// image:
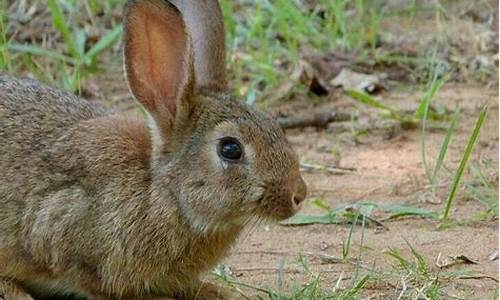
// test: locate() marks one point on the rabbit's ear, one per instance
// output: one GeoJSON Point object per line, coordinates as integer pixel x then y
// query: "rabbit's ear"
{"type": "Point", "coordinates": [205, 24]}
{"type": "Point", "coordinates": [157, 57]}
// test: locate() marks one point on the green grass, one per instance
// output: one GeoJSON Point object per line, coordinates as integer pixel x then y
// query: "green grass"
{"type": "Point", "coordinates": [423, 113]}
{"type": "Point", "coordinates": [463, 163]}
{"type": "Point", "coordinates": [267, 40]}
{"type": "Point", "coordinates": [483, 188]}
{"type": "Point", "coordinates": [415, 276]}
{"type": "Point", "coordinates": [407, 120]}
{"type": "Point", "coordinates": [5, 57]}
{"type": "Point", "coordinates": [72, 63]}
{"type": "Point", "coordinates": [442, 151]}
{"type": "Point", "coordinates": [311, 290]}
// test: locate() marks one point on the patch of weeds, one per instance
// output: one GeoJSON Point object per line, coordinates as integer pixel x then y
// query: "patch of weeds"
{"type": "Point", "coordinates": [482, 187]}
{"type": "Point", "coordinates": [424, 114]}
{"type": "Point", "coordinates": [77, 60]}
{"type": "Point", "coordinates": [416, 278]}
{"type": "Point", "coordinates": [266, 38]}
{"type": "Point", "coordinates": [5, 60]}
{"type": "Point", "coordinates": [407, 120]}
{"type": "Point", "coordinates": [312, 290]}
{"type": "Point", "coordinates": [355, 132]}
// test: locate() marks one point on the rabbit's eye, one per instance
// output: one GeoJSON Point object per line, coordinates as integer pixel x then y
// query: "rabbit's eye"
{"type": "Point", "coordinates": [230, 149]}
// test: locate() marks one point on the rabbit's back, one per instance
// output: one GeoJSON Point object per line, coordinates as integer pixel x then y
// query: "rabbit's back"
{"type": "Point", "coordinates": [33, 117]}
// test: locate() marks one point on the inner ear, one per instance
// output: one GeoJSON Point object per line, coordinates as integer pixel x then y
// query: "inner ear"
{"type": "Point", "coordinates": [157, 55]}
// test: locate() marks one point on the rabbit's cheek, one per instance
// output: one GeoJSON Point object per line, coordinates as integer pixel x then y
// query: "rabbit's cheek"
{"type": "Point", "coordinates": [212, 204]}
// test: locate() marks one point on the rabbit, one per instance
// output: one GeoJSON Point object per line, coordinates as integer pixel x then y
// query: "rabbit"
{"type": "Point", "coordinates": [102, 205]}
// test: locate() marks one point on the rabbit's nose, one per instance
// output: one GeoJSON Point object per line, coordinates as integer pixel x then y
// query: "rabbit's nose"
{"type": "Point", "coordinates": [300, 193]}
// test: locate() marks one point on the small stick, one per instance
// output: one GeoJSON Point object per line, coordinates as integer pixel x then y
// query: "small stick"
{"type": "Point", "coordinates": [319, 119]}
{"type": "Point", "coordinates": [329, 169]}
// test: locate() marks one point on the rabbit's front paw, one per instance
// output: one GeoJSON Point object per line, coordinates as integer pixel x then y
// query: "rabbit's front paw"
{"type": "Point", "coordinates": [209, 291]}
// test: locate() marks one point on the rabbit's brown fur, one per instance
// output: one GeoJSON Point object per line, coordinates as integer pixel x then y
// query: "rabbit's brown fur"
{"type": "Point", "coordinates": [108, 206]}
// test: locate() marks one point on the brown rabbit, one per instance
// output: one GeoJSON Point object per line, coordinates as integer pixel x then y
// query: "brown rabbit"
{"type": "Point", "coordinates": [105, 206]}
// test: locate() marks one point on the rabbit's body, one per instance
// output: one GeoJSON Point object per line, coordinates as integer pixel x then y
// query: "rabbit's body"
{"type": "Point", "coordinates": [68, 210]}
{"type": "Point", "coordinates": [109, 206]}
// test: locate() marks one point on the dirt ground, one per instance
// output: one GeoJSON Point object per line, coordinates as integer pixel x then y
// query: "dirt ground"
{"type": "Point", "coordinates": [388, 171]}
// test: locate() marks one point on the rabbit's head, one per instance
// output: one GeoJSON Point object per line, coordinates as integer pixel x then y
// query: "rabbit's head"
{"type": "Point", "coordinates": [222, 162]}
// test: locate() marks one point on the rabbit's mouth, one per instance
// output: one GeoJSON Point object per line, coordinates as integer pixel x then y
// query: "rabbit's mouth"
{"type": "Point", "coordinates": [278, 203]}
{"type": "Point", "coordinates": [283, 198]}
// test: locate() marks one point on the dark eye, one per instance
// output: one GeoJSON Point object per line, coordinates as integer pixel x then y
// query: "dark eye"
{"type": "Point", "coordinates": [230, 148]}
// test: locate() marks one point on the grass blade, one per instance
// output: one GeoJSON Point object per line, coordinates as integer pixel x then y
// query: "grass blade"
{"type": "Point", "coordinates": [444, 148]}
{"type": "Point", "coordinates": [422, 113]}
{"type": "Point", "coordinates": [37, 51]}
{"type": "Point", "coordinates": [368, 100]}
{"type": "Point", "coordinates": [463, 162]}
{"type": "Point", "coordinates": [62, 26]}
{"type": "Point", "coordinates": [398, 211]}
{"type": "Point", "coordinates": [298, 220]}
{"type": "Point", "coordinates": [482, 190]}
{"type": "Point", "coordinates": [423, 107]}
{"type": "Point", "coordinates": [5, 61]}
{"type": "Point", "coordinates": [356, 289]}
{"type": "Point", "coordinates": [346, 245]}
{"type": "Point", "coordinates": [105, 42]}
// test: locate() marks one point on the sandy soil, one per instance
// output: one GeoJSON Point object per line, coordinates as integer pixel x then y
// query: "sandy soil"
{"type": "Point", "coordinates": [388, 171]}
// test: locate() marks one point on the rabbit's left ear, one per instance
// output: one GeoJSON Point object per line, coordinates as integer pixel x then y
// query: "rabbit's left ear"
{"type": "Point", "coordinates": [158, 57]}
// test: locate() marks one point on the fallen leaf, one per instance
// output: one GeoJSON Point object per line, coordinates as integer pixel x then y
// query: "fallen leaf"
{"type": "Point", "coordinates": [350, 80]}
{"type": "Point", "coordinates": [455, 260]}
{"type": "Point", "coordinates": [303, 73]}
{"type": "Point", "coordinates": [308, 76]}
{"type": "Point", "coordinates": [329, 65]}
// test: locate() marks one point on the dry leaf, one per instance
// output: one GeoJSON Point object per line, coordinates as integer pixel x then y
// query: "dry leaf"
{"type": "Point", "coordinates": [350, 80]}
{"type": "Point", "coordinates": [454, 260]}
{"type": "Point", "coordinates": [303, 73]}
{"type": "Point", "coordinates": [308, 76]}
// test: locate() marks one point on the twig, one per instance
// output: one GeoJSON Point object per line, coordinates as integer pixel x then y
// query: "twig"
{"type": "Point", "coordinates": [378, 223]}
{"type": "Point", "coordinates": [477, 277]}
{"type": "Point", "coordinates": [264, 270]}
{"type": "Point", "coordinates": [322, 257]}
{"type": "Point", "coordinates": [319, 119]}
{"type": "Point", "coordinates": [329, 169]}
